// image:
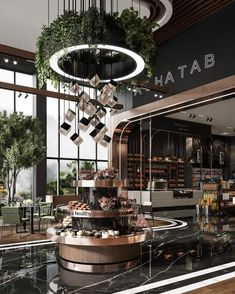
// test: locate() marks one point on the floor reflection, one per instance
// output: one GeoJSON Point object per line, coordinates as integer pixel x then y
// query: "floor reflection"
{"type": "Point", "coordinates": [202, 244]}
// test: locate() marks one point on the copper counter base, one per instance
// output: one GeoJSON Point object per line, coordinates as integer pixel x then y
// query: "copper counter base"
{"type": "Point", "coordinates": [98, 268]}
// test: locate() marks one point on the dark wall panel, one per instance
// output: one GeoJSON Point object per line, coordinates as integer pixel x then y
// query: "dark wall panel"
{"type": "Point", "coordinates": [214, 35]}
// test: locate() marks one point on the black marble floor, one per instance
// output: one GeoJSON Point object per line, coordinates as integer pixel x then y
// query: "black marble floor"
{"type": "Point", "coordinates": [203, 244]}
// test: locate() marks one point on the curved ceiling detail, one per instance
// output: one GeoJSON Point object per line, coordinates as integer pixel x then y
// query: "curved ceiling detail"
{"type": "Point", "coordinates": [160, 11]}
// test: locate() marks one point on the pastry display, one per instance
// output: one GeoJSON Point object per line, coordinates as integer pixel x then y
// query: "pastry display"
{"type": "Point", "coordinates": [79, 205]}
{"type": "Point", "coordinates": [107, 203]}
{"type": "Point", "coordinates": [67, 221]}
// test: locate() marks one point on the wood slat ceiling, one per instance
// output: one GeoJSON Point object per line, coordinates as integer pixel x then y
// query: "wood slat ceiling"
{"type": "Point", "coordinates": [185, 14]}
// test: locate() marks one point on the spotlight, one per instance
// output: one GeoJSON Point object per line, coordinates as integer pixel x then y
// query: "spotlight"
{"type": "Point", "coordinates": [26, 95]}
{"type": "Point", "coordinates": [191, 115]}
{"type": "Point", "coordinates": [65, 128]}
{"type": "Point", "coordinates": [20, 94]}
{"type": "Point", "coordinates": [160, 96]}
{"type": "Point", "coordinates": [70, 115]}
{"type": "Point", "coordinates": [77, 140]}
{"type": "Point", "coordinates": [15, 62]}
{"type": "Point", "coordinates": [6, 59]}
{"type": "Point", "coordinates": [156, 95]}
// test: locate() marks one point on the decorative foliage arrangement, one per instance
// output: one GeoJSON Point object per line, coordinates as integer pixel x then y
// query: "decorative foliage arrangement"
{"type": "Point", "coordinates": [90, 27]}
{"type": "Point", "coordinates": [21, 146]}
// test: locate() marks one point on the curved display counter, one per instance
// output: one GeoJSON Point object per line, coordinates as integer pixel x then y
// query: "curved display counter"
{"type": "Point", "coordinates": [99, 240]}
{"type": "Point", "coordinates": [90, 254]}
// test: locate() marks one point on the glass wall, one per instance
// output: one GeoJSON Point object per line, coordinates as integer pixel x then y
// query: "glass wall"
{"type": "Point", "coordinates": [64, 158]}
{"type": "Point", "coordinates": [20, 102]}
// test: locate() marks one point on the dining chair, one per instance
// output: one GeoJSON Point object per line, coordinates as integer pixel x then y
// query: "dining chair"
{"type": "Point", "coordinates": [13, 216]}
{"type": "Point", "coordinates": [53, 216]}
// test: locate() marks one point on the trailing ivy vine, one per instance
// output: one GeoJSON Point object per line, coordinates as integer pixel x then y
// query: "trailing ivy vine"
{"type": "Point", "coordinates": [90, 27]}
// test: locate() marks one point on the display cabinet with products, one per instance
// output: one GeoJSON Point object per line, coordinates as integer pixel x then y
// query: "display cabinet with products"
{"type": "Point", "coordinates": [210, 196]}
{"type": "Point", "coordinates": [166, 169]}
{"type": "Point", "coordinates": [99, 235]}
{"type": "Point", "coordinates": [202, 175]}
{"type": "Point", "coordinates": [136, 164]}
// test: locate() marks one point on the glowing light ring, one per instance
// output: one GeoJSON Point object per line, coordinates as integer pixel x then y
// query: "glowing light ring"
{"type": "Point", "coordinates": [137, 58]}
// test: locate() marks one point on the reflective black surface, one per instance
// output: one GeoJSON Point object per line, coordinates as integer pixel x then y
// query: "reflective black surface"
{"type": "Point", "coordinates": [204, 243]}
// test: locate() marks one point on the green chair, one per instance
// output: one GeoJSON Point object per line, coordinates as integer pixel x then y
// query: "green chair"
{"type": "Point", "coordinates": [13, 216]}
{"type": "Point", "coordinates": [51, 215]}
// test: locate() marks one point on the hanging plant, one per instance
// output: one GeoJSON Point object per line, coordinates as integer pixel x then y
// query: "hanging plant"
{"type": "Point", "coordinates": [92, 27]}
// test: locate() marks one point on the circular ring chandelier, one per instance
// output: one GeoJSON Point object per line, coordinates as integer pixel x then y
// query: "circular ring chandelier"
{"type": "Point", "coordinates": [130, 60]}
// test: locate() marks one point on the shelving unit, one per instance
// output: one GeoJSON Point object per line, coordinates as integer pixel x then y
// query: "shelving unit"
{"type": "Point", "coordinates": [171, 171]}
{"type": "Point", "coordinates": [203, 175]}
{"type": "Point", "coordinates": [133, 171]}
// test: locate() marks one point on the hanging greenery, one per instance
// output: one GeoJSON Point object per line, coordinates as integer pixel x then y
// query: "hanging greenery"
{"type": "Point", "coordinates": [93, 27]}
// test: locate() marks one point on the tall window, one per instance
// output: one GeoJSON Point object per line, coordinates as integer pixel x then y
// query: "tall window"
{"type": "Point", "coordinates": [64, 158]}
{"type": "Point", "coordinates": [21, 102]}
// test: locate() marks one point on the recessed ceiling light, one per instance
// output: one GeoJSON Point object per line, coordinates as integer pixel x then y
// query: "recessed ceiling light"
{"type": "Point", "coordinates": [6, 59]}
{"type": "Point", "coordinates": [15, 62]}
{"type": "Point", "coordinates": [155, 95]}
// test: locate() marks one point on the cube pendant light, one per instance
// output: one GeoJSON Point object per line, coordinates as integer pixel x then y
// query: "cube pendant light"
{"type": "Point", "coordinates": [70, 115]}
{"type": "Point", "coordinates": [77, 140]}
{"type": "Point", "coordinates": [101, 128]}
{"type": "Point", "coordinates": [106, 90]}
{"type": "Point", "coordinates": [94, 120]}
{"type": "Point", "coordinates": [105, 141]}
{"type": "Point", "coordinates": [83, 124]}
{"type": "Point", "coordinates": [94, 81]}
{"type": "Point", "coordinates": [65, 128]}
{"type": "Point", "coordinates": [101, 112]}
{"type": "Point", "coordinates": [74, 87]}
{"type": "Point", "coordinates": [112, 102]}
{"type": "Point", "coordinates": [96, 135]}
{"type": "Point", "coordinates": [81, 105]}
{"type": "Point", "coordinates": [84, 96]}
{"type": "Point", "coordinates": [90, 109]}
{"type": "Point", "coordinates": [112, 85]}
{"type": "Point", "coordinates": [103, 99]}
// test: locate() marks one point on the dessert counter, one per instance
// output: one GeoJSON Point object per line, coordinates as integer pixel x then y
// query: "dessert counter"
{"type": "Point", "coordinates": [98, 241]}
